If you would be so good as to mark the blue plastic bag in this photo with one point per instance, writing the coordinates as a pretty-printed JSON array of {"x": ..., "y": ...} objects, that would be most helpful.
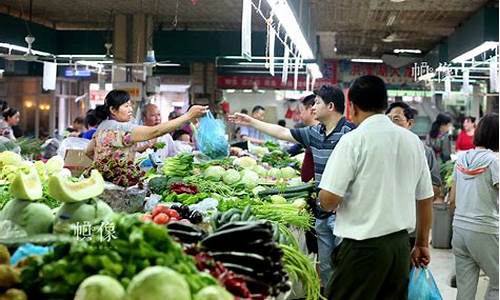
[
  {"x": 28, "y": 250},
  {"x": 211, "y": 138},
  {"x": 422, "y": 285}
]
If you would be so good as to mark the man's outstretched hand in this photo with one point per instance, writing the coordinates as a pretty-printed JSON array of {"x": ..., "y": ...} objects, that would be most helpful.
[{"x": 240, "y": 119}]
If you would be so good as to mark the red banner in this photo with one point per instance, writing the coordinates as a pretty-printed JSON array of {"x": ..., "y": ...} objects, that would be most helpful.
[{"x": 330, "y": 68}]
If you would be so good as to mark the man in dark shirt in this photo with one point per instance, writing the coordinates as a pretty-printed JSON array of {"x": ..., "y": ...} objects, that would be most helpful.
[{"x": 321, "y": 139}]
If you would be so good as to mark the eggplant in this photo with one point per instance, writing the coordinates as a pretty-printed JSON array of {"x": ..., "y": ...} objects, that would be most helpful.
[
  {"x": 255, "y": 261},
  {"x": 236, "y": 237},
  {"x": 186, "y": 237},
  {"x": 185, "y": 227}
]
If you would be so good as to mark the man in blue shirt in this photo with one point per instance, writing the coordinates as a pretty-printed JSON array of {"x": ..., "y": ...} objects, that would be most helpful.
[
  {"x": 251, "y": 134},
  {"x": 321, "y": 139}
]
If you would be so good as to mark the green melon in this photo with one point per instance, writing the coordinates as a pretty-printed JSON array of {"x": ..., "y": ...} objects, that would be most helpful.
[
  {"x": 33, "y": 217},
  {"x": 65, "y": 190},
  {"x": 27, "y": 186},
  {"x": 92, "y": 211}
]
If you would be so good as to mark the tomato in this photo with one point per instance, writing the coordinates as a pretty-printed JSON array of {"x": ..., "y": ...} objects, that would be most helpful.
[
  {"x": 172, "y": 213},
  {"x": 160, "y": 208},
  {"x": 146, "y": 217},
  {"x": 161, "y": 218}
]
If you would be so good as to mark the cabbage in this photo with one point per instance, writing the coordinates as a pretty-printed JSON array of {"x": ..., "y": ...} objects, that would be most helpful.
[
  {"x": 274, "y": 172},
  {"x": 158, "y": 283},
  {"x": 231, "y": 176},
  {"x": 245, "y": 162},
  {"x": 100, "y": 287},
  {"x": 33, "y": 217},
  {"x": 214, "y": 173},
  {"x": 250, "y": 179},
  {"x": 277, "y": 199},
  {"x": 296, "y": 181},
  {"x": 213, "y": 292},
  {"x": 260, "y": 170},
  {"x": 288, "y": 172},
  {"x": 300, "y": 203}
]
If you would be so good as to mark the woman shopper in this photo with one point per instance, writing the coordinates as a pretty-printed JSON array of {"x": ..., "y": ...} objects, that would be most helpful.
[
  {"x": 116, "y": 137},
  {"x": 466, "y": 136},
  {"x": 11, "y": 118},
  {"x": 474, "y": 193},
  {"x": 439, "y": 138}
]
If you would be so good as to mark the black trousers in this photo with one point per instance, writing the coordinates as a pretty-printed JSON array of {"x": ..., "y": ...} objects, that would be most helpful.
[{"x": 376, "y": 268}]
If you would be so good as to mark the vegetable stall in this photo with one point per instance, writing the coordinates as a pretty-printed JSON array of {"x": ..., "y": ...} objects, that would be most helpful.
[{"x": 192, "y": 228}]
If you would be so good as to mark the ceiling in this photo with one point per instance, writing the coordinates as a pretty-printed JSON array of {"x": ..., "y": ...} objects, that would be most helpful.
[{"x": 354, "y": 28}]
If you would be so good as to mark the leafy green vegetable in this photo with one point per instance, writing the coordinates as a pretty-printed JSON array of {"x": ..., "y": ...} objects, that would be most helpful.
[
  {"x": 137, "y": 246},
  {"x": 280, "y": 159},
  {"x": 180, "y": 165}
]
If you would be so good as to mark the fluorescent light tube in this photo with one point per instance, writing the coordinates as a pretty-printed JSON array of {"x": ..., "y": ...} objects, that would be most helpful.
[
  {"x": 288, "y": 21},
  {"x": 416, "y": 51},
  {"x": 367, "y": 60}
]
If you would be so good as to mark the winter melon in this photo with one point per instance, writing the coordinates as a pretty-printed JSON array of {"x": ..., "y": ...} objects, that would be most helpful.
[
  {"x": 92, "y": 211},
  {"x": 33, "y": 217},
  {"x": 65, "y": 190},
  {"x": 27, "y": 186}
]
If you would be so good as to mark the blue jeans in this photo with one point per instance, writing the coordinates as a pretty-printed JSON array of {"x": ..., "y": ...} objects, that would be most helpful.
[{"x": 326, "y": 243}]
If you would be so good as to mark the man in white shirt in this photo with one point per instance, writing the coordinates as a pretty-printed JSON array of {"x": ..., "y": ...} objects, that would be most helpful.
[{"x": 372, "y": 180}]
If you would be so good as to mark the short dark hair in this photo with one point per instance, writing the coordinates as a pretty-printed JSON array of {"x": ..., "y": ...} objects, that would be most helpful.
[
  {"x": 470, "y": 118},
  {"x": 308, "y": 101},
  {"x": 244, "y": 111},
  {"x": 178, "y": 133},
  {"x": 332, "y": 94},
  {"x": 91, "y": 118},
  {"x": 9, "y": 113},
  {"x": 408, "y": 111},
  {"x": 486, "y": 134},
  {"x": 256, "y": 108},
  {"x": 369, "y": 93},
  {"x": 115, "y": 99},
  {"x": 79, "y": 120}
]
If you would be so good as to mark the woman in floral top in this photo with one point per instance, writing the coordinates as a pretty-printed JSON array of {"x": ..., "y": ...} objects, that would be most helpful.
[{"x": 116, "y": 137}]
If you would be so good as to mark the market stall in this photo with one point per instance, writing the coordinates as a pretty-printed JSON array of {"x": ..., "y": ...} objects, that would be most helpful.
[{"x": 190, "y": 228}]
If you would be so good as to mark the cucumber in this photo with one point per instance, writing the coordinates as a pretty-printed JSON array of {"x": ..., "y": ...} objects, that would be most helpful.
[
  {"x": 227, "y": 215},
  {"x": 289, "y": 190},
  {"x": 234, "y": 218},
  {"x": 247, "y": 212}
]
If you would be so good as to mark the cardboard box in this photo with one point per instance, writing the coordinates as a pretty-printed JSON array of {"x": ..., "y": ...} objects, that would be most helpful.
[{"x": 76, "y": 161}]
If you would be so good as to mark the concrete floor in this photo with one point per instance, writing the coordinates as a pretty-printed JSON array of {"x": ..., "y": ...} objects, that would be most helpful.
[{"x": 441, "y": 266}]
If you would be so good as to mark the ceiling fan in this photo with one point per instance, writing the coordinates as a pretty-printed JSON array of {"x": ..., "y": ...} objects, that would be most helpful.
[
  {"x": 392, "y": 37},
  {"x": 30, "y": 55}
]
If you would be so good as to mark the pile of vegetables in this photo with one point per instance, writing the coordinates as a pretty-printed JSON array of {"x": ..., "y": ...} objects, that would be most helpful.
[
  {"x": 248, "y": 249},
  {"x": 121, "y": 172},
  {"x": 10, "y": 278},
  {"x": 137, "y": 246},
  {"x": 162, "y": 214}
]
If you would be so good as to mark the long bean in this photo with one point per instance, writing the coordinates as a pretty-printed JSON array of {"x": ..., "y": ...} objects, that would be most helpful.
[{"x": 300, "y": 267}]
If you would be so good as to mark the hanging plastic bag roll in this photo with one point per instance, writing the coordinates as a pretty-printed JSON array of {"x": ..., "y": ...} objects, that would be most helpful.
[
  {"x": 211, "y": 137},
  {"x": 422, "y": 285}
]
